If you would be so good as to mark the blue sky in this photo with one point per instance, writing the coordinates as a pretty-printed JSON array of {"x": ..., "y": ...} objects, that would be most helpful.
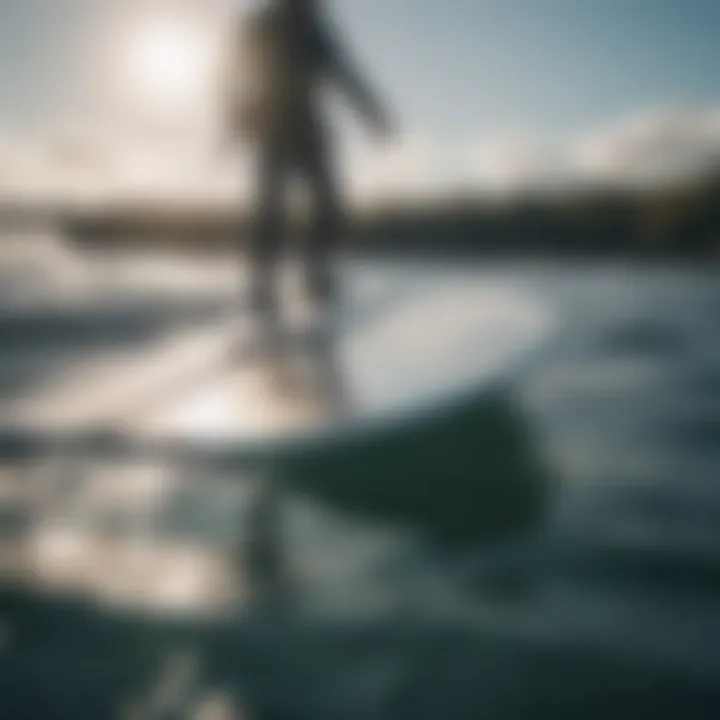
[
  {"x": 449, "y": 68},
  {"x": 449, "y": 65},
  {"x": 555, "y": 65}
]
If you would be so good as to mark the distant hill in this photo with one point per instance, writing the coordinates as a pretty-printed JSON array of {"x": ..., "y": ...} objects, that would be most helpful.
[{"x": 677, "y": 221}]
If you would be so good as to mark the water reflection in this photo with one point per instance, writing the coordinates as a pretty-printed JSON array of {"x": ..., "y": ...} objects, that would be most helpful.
[{"x": 624, "y": 568}]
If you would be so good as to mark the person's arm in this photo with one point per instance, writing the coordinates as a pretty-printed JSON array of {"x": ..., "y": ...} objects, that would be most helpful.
[{"x": 345, "y": 74}]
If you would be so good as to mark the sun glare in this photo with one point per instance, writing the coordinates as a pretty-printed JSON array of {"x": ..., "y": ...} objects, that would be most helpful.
[{"x": 168, "y": 63}]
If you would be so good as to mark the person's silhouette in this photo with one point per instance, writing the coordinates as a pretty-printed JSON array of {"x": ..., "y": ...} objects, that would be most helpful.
[{"x": 283, "y": 56}]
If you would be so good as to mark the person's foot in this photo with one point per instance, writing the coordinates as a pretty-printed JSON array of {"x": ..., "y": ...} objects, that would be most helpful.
[
  {"x": 260, "y": 318},
  {"x": 323, "y": 304},
  {"x": 322, "y": 287},
  {"x": 261, "y": 298}
]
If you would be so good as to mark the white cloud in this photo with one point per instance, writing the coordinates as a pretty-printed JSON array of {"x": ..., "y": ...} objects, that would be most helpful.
[
  {"x": 652, "y": 148},
  {"x": 647, "y": 149},
  {"x": 85, "y": 165},
  {"x": 513, "y": 162},
  {"x": 97, "y": 162},
  {"x": 411, "y": 168}
]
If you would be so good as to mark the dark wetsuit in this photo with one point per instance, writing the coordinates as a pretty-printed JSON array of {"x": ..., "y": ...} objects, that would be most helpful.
[{"x": 289, "y": 131}]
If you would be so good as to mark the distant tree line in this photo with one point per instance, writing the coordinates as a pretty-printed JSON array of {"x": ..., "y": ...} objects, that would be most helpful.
[{"x": 678, "y": 221}]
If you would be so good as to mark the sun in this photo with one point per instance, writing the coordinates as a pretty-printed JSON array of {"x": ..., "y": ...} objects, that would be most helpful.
[{"x": 168, "y": 63}]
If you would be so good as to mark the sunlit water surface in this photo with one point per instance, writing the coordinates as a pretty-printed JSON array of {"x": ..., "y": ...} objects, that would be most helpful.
[{"x": 627, "y": 566}]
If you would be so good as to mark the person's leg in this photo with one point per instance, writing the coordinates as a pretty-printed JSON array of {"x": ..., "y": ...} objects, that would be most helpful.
[
  {"x": 266, "y": 240},
  {"x": 323, "y": 238}
]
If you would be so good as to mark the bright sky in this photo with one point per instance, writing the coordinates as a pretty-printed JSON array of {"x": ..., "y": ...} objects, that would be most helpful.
[{"x": 506, "y": 81}]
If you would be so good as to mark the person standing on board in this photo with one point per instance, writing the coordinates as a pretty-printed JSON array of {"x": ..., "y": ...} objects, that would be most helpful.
[{"x": 283, "y": 56}]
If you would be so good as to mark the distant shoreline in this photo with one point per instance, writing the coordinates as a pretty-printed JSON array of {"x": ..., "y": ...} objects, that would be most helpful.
[{"x": 678, "y": 223}]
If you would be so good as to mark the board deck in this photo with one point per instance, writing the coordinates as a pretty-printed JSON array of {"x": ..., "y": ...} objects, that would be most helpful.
[
  {"x": 202, "y": 392},
  {"x": 423, "y": 352},
  {"x": 377, "y": 364}
]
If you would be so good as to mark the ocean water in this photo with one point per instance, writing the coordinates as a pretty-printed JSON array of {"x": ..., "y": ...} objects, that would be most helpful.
[{"x": 608, "y": 607}]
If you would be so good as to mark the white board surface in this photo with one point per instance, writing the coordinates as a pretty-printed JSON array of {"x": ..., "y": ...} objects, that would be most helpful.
[
  {"x": 425, "y": 350},
  {"x": 425, "y": 347}
]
